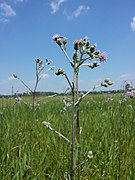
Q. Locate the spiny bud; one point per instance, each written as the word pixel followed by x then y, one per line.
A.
pixel 92 48
pixel 87 45
pixel 97 52
pixel 76 45
pixel 64 40
pixel 59 41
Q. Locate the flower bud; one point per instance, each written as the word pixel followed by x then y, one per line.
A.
pixel 108 82
pixel 90 155
pixel 59 41
pixel 92 49
pixel 48 61
pixel 96 64
pixel 87 45
pixel 60 71
pixel 104 84
pixel 64 40
pixel 76 45
pixel 75 55
pixel 90 65
pixel 14 75
pixel 97 52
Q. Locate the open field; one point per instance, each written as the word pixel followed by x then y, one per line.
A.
pixel 28 150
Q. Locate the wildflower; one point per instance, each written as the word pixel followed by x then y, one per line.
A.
pixel 56 37
pixel 102 57
pixel 130 94
pixel 85 38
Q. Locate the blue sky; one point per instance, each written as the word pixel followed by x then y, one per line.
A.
pixel 27 27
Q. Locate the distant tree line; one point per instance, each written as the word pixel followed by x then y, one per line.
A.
pixel 39 93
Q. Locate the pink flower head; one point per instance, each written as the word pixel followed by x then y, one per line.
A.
pixel 55 37
pixel 130 94
pixel 85 38
pixel 102 57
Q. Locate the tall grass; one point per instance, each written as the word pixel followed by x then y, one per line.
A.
pixel 107 129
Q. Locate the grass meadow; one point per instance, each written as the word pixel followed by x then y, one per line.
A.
pixel 30 151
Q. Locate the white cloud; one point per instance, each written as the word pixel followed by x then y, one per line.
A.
pixel 16 1
pixel 80 10
pixel 125 76
pixel 133 24
pixel 6 11
pixel 44 76
pixel 55 5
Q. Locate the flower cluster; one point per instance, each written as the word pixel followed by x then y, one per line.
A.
pixel 83 45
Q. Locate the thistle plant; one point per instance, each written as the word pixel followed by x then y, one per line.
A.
pixel 129 90
pixel 84 54
pixel 40 73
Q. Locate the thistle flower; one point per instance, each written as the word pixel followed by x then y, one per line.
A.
pixel 85 38
pixel 102 57
pixel 130 94
pixel 56 37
